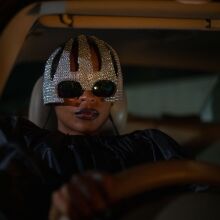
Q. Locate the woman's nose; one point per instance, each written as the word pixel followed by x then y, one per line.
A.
pixel 87 96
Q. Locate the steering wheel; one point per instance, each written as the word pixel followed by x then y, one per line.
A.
pixel 162 174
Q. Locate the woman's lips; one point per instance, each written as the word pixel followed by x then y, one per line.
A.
pixel 87 114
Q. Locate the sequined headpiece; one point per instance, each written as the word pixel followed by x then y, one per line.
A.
pixel 85 74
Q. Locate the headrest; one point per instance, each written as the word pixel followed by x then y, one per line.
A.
pixel 44 115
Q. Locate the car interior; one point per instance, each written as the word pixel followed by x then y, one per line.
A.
pixel 169 51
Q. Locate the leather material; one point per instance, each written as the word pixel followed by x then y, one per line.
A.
pixel 69 154
pixel 37 161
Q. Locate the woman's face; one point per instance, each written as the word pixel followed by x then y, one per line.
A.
pixel 87 113
pixel 83 115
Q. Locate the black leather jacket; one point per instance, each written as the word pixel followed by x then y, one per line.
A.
pixel 34 161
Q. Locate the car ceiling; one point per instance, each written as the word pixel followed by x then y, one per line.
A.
pixel 197 50
pixel 144 48
pixel 165 48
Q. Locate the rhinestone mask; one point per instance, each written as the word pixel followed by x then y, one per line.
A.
pixel 85 74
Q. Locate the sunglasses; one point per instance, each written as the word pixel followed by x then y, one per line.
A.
pixel 73 89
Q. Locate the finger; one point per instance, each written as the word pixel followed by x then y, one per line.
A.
pixel 79 194
pixel 105 182
pixel 62 203
pixel 94 193
pixel 53 214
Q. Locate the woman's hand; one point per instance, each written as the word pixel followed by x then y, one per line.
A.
pixel 82 197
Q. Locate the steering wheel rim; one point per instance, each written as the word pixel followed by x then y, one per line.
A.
pixel 151 176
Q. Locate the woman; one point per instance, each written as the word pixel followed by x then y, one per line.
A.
pixel 82 81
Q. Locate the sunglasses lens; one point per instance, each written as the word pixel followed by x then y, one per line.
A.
pixel 104 88
pixel 69 89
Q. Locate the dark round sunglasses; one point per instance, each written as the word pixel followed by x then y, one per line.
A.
pixel 73 89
